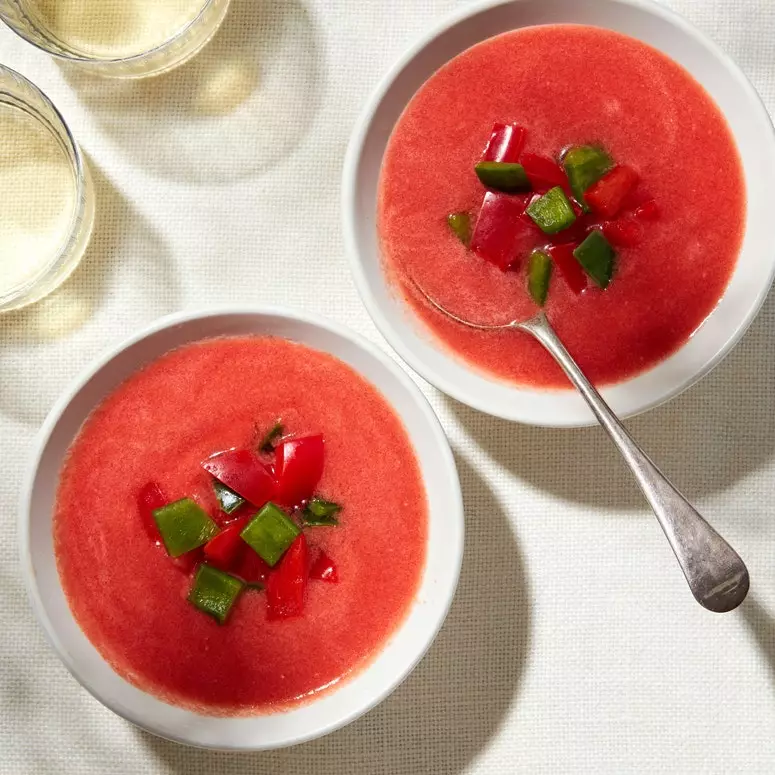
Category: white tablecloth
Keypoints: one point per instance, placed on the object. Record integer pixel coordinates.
(573, 645)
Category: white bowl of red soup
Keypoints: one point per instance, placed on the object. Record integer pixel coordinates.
(603, 161)
(242, 529)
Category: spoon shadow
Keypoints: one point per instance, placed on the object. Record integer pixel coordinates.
(454, 702)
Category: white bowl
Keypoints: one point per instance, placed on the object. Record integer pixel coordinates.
(750, 283)
(332, 710)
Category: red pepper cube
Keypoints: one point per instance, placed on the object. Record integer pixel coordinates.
(623, 233)
(648, 211)
(324, 569)
(298, 467)
(225, 549)
(607, 196)
(568, 266)
(250, 568)
(149, 499)
(287, 583)
(505, 144)
(501, 236)
(241, 470)
(544, 173)
(188, 561)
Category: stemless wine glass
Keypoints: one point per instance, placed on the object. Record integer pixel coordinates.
(118, 38)
(46, 195)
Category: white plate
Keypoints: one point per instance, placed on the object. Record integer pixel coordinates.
(331, 710)
(750, 283)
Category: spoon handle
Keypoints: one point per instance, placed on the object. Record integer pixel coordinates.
(716, 575)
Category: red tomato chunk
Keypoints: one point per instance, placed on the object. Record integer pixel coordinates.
(299, 466)
(287, 583)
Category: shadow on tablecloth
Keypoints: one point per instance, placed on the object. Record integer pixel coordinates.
(453, 703)
(705, 440)
(238, 108)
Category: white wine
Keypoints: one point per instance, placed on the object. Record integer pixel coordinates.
(115, 28)
(38, 198)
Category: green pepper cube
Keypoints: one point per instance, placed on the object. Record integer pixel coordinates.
(503, 176)
(552, 212)
(460, 224)
(214, 592)
(184, 525)
(584, 166)
(596, 256)
(539, 272)
(228, 500)
(270, 533)
(320, 513)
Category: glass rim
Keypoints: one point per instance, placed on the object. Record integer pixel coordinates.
(98, 60)
(11, 300)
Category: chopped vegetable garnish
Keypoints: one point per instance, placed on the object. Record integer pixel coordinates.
(648, 211)
(505, 144)
(596, 256)
(250, 568)
(223, 550)
(272, 435)
(623, 233)
(460, 223)
(324, 569)
(214, 592)
(552, 212)
(607, 196)
(149, 499)
(320, 513)
(299, 467)
(500, 235)
(539, 273)
(270, 533)
(585, 165)
(184, 525)
(287, 584)
(503, 176)
(544, 173)
(569, 267)
(188, 561)
(242, 471)
(228, 500)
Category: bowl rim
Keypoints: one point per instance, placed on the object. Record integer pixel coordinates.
(454, 545)
(384, 323)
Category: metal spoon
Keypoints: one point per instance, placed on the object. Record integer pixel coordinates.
(716, 575)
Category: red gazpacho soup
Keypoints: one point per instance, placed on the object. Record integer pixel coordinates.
(571, 168)
(240, 525)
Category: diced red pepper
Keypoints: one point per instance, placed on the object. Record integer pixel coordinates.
(324, 569)
(287, 583)
(224, 550)
(500, 235)
(569, 267)
(250, 567)
(607, 196)
(188, 561)
(544, 173)
(648, 211)
(299, 466)
(243, 472)
(149, 499)
(623, 233)
(505, 144)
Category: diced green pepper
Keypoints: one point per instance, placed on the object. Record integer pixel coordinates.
(585, 165)
(267, 443)
(552, 212)
(320, 513)
(460, 223)
(214, 592)
(184, 525)
(596, 256)
(270, 533)
(539, 273)
(228, 500)
(503, 176)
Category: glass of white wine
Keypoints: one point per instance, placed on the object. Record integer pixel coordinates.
(119, 38)
(46, 195)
